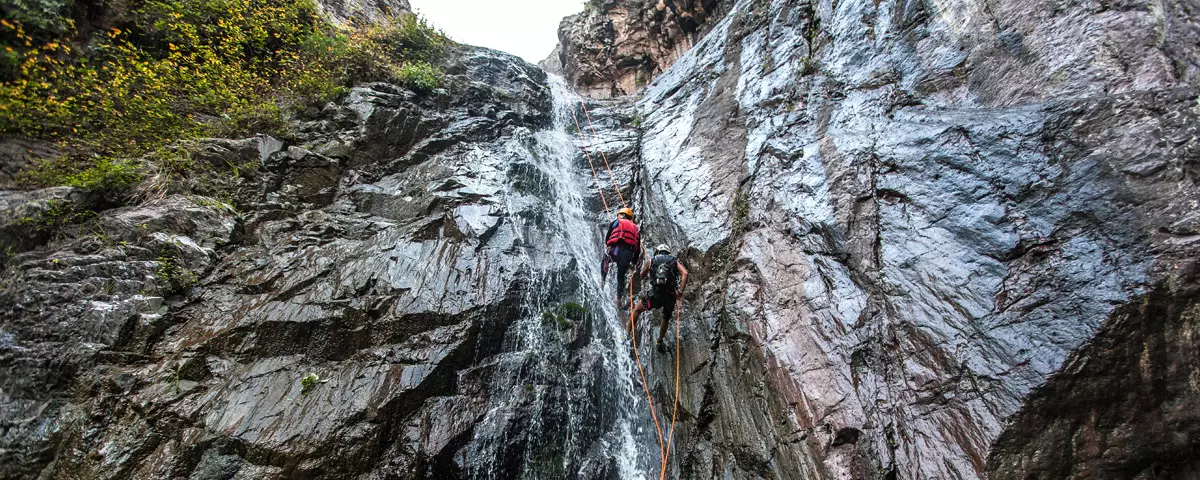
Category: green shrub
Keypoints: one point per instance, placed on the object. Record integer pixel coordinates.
(413, 38)
(100, 175)
(374, 53)
(565, 316)
(308, 383)
(58, 214)
(809, 66)
(418, 76)
(178, 69)
(44, 15)
(107, 175)
(133, 90)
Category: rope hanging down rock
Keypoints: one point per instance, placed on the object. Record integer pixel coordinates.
(583, 146)
(596, 135)
(663, 446)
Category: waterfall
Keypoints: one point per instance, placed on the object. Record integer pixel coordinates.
(563, 400)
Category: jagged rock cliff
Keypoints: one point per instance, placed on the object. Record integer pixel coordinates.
(169, 339)
(930, 239)
(615, 47)
(365, 11)
(927, 239)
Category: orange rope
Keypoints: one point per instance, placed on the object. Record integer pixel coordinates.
(664, 448)
(610, 172)
(675, 411)
(583, 146)
(646, 386)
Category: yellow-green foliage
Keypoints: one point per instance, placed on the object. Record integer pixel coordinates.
(418, 76)
(400, 51)
(103, 175)
(178, 69)
(131, 90)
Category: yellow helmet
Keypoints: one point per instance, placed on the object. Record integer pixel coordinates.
(628, 212)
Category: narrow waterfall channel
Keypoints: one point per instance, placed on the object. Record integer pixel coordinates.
(564, 402)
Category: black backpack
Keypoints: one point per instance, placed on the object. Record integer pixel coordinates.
(664, 274)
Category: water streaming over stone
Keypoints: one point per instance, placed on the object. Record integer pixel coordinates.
(563, 403)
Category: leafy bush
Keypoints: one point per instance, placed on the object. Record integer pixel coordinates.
(168, 70)
(57, 214)
(46, 15)
(565, 316)
(308, 383)
(809, 66)
(381, 52)
(418, 76)
(105, 175)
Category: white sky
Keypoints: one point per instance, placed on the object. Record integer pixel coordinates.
(525, 28)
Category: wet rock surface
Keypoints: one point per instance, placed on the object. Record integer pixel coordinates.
(384, 249)
(927, 240)
(914, 256)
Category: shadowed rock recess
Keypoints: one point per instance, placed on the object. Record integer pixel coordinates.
(928, 240)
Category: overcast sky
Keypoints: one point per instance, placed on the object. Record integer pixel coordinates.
(526, 28)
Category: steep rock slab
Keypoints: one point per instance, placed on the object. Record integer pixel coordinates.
(382, 248)
(904, 230)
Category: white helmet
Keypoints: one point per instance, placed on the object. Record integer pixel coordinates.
(662, 248)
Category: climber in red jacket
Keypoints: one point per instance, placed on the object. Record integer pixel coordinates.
(624, 246)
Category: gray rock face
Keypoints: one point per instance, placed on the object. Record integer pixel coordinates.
(386, 249)
(615, 47)
(927, 240)
(364, 11)
(912, 223)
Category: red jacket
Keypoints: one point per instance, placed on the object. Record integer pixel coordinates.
(624, 231)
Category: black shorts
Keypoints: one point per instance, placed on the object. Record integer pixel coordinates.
(653, 300)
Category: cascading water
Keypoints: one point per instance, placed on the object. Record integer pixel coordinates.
(564, 402)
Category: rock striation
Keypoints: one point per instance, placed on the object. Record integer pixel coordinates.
(170, 339)
(927, 240)
(930, 239)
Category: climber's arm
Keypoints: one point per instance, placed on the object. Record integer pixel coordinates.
(683, 274)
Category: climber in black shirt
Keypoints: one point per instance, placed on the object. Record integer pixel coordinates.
(667, 281)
